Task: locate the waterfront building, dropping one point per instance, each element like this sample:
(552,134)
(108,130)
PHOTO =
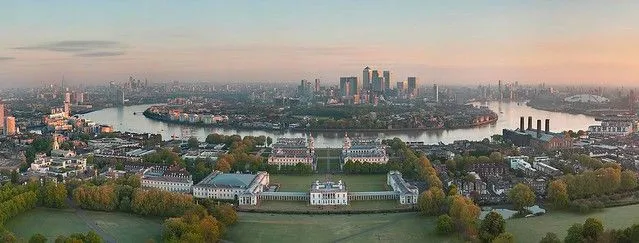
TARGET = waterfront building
(243,188)
(408,194)
(291,151)
(611,128)
(328,193)
(9,126)
(369,150)
(167,178)
(184,117)
(545,140)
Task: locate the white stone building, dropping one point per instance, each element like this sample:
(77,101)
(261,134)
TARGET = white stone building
(364,150)
(54,166)
(291,151)
(328,193)
(610,129)
(173,179)
(408,194)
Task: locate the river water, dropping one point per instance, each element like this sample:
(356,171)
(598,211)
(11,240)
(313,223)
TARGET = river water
(123,119)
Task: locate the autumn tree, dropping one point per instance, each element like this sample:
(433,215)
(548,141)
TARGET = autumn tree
(464,213)
(558,194)
(521,196)
(223,165)
(431,201)
(224,213)
(575,234)
(38,238)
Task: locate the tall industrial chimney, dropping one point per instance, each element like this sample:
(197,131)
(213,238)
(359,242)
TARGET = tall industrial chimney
(521,124)
(530,123)
(547,126)
(538,128)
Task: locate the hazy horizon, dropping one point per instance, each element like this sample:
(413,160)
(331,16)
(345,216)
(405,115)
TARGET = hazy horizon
(465,42)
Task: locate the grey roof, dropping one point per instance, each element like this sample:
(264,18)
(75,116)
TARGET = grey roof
(219,179)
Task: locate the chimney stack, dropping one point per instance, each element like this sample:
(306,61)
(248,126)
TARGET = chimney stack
(521,124)
(538,128)
(547,126)
(530,123)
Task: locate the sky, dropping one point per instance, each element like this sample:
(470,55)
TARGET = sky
(445,42)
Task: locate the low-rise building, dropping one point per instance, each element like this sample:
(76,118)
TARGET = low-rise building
(59,166)
(328,193)
(364,150)
(291,151)
(243,188)
(519,163)
(168,178)
(408,194)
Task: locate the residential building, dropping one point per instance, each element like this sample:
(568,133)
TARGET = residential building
(59,166)
(9,126)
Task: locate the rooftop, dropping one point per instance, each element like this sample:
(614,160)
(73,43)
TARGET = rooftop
(230,180)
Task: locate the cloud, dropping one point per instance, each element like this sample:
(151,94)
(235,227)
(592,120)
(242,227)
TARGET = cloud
(6,58)
(81,48)
(100,54)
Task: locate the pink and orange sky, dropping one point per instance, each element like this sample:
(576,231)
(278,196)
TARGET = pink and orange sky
(457,42)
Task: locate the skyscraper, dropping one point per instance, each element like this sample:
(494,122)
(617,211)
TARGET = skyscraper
(436,93)
(67,97)
(387,80)
(412,85)
(377,82)
(1,115)
(401,86)
(10,126)
(317,85)
(366,78)
(348,86)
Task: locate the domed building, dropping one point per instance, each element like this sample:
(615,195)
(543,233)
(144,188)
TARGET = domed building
(587,98)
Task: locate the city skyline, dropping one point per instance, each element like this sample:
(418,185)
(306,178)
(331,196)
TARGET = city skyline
(286,41)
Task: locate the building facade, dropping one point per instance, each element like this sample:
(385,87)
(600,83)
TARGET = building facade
(243,188)
(173,179)
(328,193)
(291,151)
(364,150)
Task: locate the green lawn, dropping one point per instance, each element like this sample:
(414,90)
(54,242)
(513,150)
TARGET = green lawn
(324,152)
(53,222)
(304,206)
(533,229)
(283,228)
(354,183)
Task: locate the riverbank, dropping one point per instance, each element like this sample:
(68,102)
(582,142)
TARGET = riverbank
(157,117)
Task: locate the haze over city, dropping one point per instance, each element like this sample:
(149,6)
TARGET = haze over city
(465,42)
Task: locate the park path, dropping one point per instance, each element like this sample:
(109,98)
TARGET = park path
(90,223)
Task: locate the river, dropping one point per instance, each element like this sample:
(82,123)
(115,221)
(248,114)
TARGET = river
(123,119)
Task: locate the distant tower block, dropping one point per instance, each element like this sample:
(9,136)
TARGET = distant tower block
(185,133)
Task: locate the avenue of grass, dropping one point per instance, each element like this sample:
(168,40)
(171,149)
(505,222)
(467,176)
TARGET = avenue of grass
(53,222)
(533,229)
(283,228)
(354,183)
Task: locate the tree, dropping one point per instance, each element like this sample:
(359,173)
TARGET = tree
(37,238)
(521,196)
(225,214)
(452,191)
(550,238)
(431,201)
(558,194)
(492,225)
(223,165)
(193,143)
(464,213)
(15,177)
(592,229)
(496,157)
(628,180)
(504,238)
(575,234)
(269,141)
(445,225)
(92,237)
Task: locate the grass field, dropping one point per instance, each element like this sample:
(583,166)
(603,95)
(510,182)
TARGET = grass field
(304,206)
(53,222)
(328,152)
(533,229)
(354,183)
(282,228)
